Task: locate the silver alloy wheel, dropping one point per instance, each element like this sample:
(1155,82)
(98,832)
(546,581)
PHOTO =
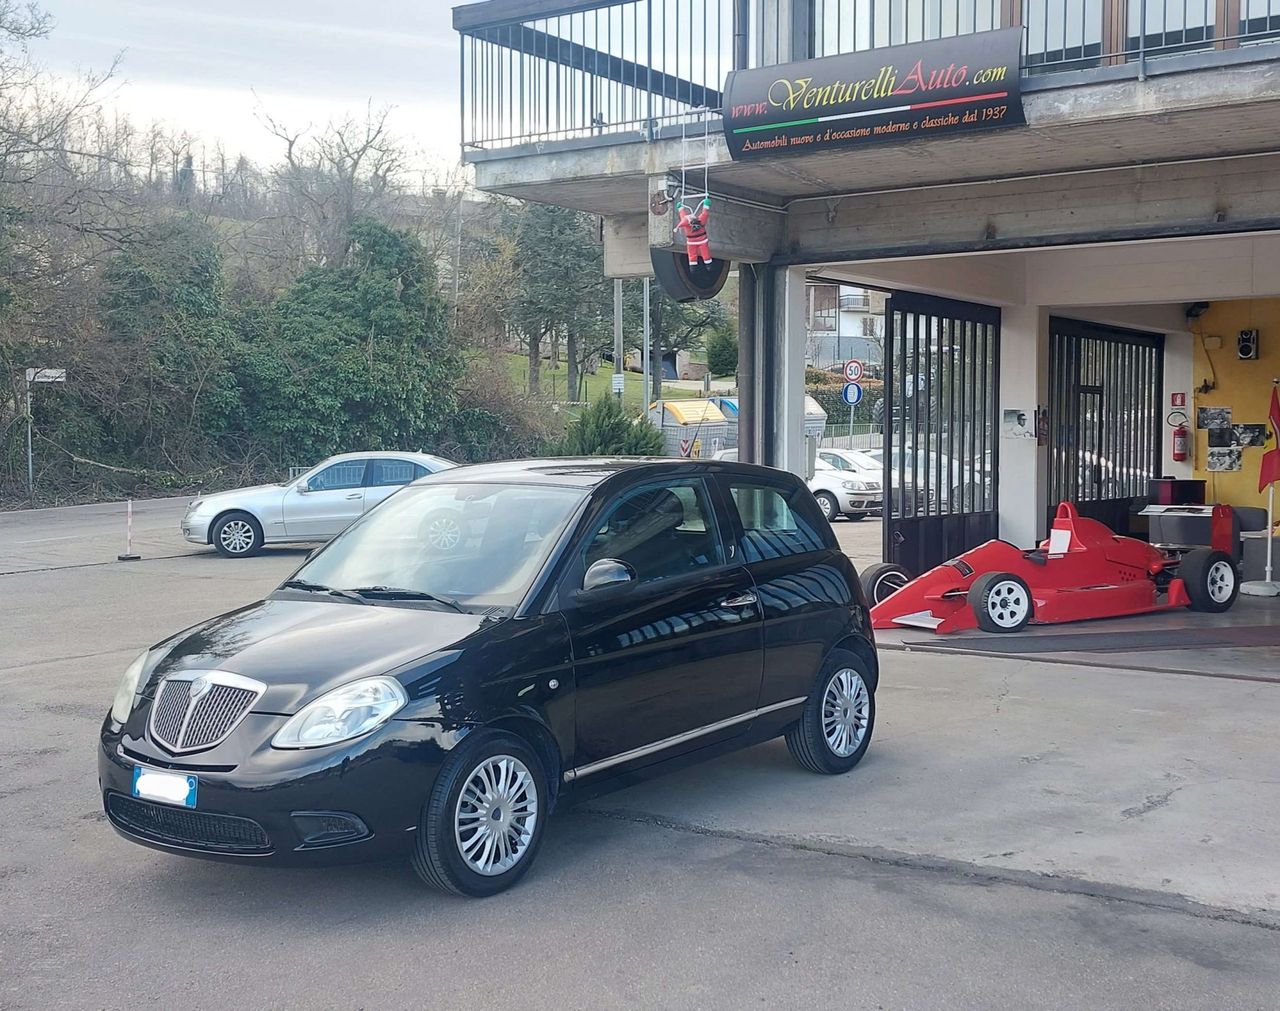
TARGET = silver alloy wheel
(444,533)
(236,536)
(496,814)
(846,707)
(830,508)
(1221,581)
(1008,603)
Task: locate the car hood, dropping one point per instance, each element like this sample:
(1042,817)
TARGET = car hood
(239,494)
(303,648)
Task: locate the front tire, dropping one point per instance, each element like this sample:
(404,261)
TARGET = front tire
(237,535)
(482,825)
(854,517)
(830,507)
(1001,602)
(834,730)
(1211,580)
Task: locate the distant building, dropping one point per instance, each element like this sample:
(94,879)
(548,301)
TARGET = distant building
(844,322)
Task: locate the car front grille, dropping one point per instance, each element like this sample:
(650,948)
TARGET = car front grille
(198,709)
(180,826)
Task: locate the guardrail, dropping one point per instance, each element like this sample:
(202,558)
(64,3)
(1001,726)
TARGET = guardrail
(544,71)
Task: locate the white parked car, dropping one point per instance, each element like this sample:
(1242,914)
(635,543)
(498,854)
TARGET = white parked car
(313,507)
(839,493)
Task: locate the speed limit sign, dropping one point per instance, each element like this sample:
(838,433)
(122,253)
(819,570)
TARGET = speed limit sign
(852,370)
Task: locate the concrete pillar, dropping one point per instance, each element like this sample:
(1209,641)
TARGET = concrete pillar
(748,364)
(1178,373)
(784,371)
(1022,502)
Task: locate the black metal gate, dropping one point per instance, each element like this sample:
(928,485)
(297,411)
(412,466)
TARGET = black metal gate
(942,378)
(1104,418)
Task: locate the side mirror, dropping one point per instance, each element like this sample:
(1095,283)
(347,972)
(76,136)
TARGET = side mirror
(303,487)
(608,573)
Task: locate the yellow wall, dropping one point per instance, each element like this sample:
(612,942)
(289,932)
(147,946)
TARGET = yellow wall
(1244,386)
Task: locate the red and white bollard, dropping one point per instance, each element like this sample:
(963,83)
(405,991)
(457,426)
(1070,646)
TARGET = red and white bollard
(128,555)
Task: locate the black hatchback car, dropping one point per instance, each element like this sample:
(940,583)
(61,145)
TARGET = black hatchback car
(593,620)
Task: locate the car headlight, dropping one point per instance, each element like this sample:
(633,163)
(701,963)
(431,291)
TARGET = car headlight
(127,690)
(854,486)
(342,714)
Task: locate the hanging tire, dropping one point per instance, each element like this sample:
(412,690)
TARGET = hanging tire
(830,507)
(883,579)
(834,730)
(1211,579)
(237,535)
(482,825)
(1001,602)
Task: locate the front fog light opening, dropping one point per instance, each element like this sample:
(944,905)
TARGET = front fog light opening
(318,829)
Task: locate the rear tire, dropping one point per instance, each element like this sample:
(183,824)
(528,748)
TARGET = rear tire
(834,730)
(1211,580)
(493,787)
(1001,602)
(830,507)
(237,535)
(883,579)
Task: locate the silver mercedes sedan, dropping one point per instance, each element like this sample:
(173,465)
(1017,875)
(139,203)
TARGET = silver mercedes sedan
(313,507)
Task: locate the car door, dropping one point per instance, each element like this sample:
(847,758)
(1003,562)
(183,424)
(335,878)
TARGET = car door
(803,580)
(386,476)
(671,661)
(330,500)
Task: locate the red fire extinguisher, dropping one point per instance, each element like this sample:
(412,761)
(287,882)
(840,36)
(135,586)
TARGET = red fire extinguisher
(1181,448)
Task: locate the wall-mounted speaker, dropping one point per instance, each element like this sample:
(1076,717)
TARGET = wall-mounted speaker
(1247,345)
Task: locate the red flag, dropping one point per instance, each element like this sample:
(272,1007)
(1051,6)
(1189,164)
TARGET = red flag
(1270,469)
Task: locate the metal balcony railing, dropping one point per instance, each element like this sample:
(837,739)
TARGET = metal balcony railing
(543,71)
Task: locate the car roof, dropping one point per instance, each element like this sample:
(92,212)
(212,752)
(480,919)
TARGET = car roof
(383,454)
(587,472)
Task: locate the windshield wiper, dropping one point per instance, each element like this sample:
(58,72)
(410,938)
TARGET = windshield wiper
(400,593)
(310,587)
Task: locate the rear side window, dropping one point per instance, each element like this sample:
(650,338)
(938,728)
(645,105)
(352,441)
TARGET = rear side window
(776,522)
(384,472)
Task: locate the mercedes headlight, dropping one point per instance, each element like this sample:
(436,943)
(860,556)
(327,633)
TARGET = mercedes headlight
(343,714)
(855,486)
(127,690)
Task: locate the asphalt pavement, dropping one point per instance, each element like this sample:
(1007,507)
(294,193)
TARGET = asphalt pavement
(1020,835)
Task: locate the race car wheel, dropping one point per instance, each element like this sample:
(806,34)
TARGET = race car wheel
(882,579)
(830,507)
(1001,602)
(1211,579)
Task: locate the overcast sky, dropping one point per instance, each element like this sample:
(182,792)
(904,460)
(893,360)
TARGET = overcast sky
(199,65)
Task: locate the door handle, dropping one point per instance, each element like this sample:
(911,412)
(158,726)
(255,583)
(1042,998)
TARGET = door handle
(741,600)
(356,494)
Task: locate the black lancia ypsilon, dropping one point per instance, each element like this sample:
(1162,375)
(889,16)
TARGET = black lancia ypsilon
(483,643)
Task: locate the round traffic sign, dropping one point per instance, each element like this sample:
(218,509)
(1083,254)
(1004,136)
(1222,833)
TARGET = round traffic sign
(852,393)
(853,370)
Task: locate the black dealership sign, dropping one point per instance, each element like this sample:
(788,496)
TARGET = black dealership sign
(926,89)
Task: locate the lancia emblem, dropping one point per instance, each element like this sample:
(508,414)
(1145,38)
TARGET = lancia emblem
(199,688)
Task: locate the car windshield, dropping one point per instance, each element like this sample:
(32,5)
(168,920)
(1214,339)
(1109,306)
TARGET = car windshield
(473,544)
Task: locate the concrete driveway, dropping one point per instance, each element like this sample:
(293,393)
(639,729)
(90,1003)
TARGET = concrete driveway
(1021,834)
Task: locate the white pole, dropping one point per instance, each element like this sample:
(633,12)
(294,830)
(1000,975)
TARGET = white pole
(644,355)
(31,467)
(128,555)
(1271,518)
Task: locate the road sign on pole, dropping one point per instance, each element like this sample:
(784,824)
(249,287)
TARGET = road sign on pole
(852,393)
(37,376)
(853,370)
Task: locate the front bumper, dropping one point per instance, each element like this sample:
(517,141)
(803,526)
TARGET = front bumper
(861,501)
(267,807)
(195,529)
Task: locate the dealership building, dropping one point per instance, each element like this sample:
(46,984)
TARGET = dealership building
(1069,209)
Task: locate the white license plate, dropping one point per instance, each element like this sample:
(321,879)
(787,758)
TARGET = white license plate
(166,787)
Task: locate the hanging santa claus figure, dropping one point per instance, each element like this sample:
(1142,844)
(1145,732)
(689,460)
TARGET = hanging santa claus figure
(694,226)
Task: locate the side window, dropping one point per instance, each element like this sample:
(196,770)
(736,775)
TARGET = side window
(384,472)
(838,462)
(659,531)
(347,474)
(776,522)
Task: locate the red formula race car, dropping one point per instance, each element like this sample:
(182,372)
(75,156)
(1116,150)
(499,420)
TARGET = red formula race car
(1081,571)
